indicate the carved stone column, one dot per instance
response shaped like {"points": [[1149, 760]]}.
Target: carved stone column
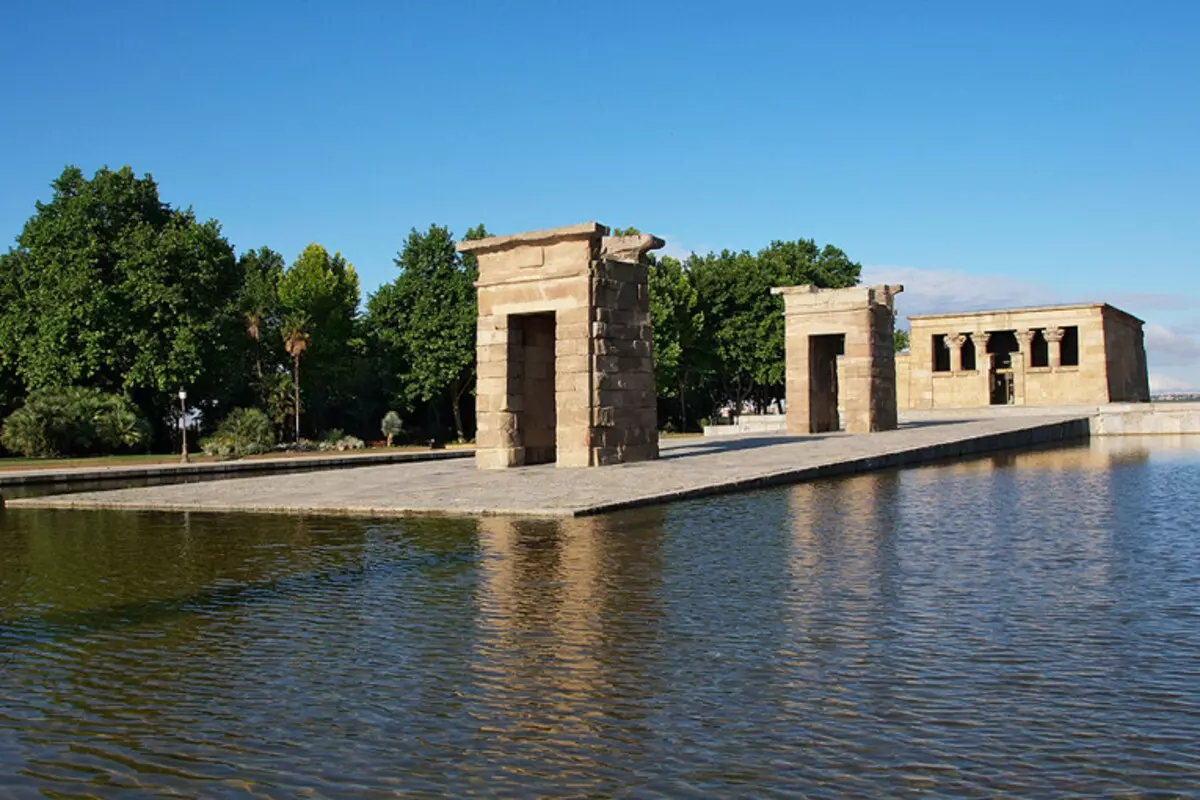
{"points": [[1025, 340], [981, 354], [955, 342], [1054, 337], [983, 363]]}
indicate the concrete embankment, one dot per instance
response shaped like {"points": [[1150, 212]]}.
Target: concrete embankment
{"points": [[1152, 419], [688, 469], [217, 469]]}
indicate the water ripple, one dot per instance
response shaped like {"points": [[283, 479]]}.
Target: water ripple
{"points": [[1025, 625]]}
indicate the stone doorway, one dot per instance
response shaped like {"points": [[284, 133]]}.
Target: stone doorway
{"points": [[823, 352], [531, 375]]}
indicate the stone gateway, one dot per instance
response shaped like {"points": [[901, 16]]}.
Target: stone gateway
{"points": [[566, 370], [840, 354]]}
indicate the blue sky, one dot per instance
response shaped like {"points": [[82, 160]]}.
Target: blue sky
{"points": [[984, 153]]}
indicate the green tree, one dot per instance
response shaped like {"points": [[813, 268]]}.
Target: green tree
{"points": [[110, 287], [258, 301], [900, 340], [318, 297], [678, 323], [391, 426], [425, 318]]}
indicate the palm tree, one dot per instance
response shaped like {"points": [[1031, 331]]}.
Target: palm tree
{"points": [[255, 318], [295, 341]]}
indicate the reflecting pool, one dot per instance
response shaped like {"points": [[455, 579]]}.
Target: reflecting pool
{"points": [[1027, 624]]}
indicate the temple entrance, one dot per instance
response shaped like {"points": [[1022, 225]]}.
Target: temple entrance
{"points": [[1000, 347], [823, 351], [531, 386], [1001, 385]]}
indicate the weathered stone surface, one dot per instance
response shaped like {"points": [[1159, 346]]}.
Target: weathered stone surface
{"points": [[840, 358], [1046, 356], [688, 468], [564, 348]]}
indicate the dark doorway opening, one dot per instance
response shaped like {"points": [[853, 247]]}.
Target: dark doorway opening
{"points": [[968, 354], [1039, 350], [941, 353], [1070, 346], [822, 381], [531, 385]]}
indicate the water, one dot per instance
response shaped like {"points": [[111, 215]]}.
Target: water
{"points": [[1026, 625]]}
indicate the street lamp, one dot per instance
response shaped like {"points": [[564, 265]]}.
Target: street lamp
{"points": [[183, 423]]}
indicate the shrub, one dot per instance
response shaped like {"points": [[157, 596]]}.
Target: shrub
{"points": [[75, 422], [391, 426], [245, 432], [342, 442]]}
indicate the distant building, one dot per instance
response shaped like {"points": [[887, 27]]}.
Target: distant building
{"points": [[1052, 355]]}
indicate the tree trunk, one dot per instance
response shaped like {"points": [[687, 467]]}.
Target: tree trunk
{"points": [[456, 390], [296, 390], [389, 444], [682, 404]]}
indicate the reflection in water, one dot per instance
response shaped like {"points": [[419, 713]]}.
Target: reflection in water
{"points": [[1024, 624]]}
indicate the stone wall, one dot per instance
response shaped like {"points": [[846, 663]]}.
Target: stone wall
{"points": [[1124, 342], [589, 292]]}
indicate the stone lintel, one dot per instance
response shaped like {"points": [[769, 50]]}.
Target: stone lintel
{"points": [[586, 230], [806, 298]]}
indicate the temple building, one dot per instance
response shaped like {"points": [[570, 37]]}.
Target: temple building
{"points": [[1046, 356]]}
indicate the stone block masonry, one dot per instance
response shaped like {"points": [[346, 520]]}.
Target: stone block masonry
{"points": [[565, 349], [840, 354]]}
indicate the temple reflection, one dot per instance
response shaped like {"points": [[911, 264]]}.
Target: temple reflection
{"points": [[568, 612]]}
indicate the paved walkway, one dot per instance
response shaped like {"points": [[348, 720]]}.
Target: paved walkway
{"points": [[688, 468]]}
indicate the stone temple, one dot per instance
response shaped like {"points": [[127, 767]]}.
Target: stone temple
{"points": [[566, 371], [1052, 355]]}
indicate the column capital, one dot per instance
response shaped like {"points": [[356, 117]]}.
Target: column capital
{"points": [[1053, 334], [981, 339], [1025, 338], [955, 340]]}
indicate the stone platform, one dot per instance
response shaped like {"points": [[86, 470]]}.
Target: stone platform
{"points": [[688, 468]]}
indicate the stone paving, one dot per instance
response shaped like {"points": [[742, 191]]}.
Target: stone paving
{"points": [[688, 468]]}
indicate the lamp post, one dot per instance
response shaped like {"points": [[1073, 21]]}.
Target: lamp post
{"points": [[183, 423]]}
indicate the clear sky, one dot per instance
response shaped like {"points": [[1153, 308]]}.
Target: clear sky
{"points": [[985, 153]]}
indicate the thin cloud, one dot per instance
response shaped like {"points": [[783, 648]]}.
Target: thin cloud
{"points": [[931, 291]]}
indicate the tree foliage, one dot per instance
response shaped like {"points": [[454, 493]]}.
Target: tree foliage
{"points": [[425, 319], [75, 421], [245, 432], [111, 288]]}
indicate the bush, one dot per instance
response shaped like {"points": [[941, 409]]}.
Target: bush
{"points": [[391, 426], [245, 432], [342, 442], [75, 422]]}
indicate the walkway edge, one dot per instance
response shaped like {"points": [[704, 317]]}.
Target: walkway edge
{"points": [[1050, 433], [250, 467]]}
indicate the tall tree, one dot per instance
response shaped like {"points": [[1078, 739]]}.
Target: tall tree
{"points": [[678, 323], [322, 290], [112, 288], [428, 316], [295, 341], [258, 301]]}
